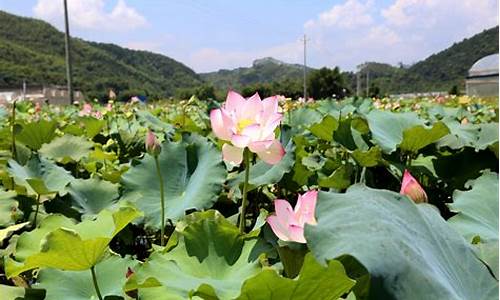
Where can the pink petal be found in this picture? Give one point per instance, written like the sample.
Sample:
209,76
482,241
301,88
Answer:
232,154
411,188
296,233
234,101
260,146
305,208
277,227
269,107
218,125
271,124
252,108
270,104
273,154
284,211
252,131
240,141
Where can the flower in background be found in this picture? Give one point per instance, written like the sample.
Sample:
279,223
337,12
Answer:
152,145
248,123
86,110
288,224
411,188
38,107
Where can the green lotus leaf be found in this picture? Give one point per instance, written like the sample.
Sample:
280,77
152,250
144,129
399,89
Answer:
90,196
211,260
35,134
67,148
477,215
339,179
40,174
324,130
8,208
92,125
6,232
418,137
404,246
61,244
21,293
488,137
313,282
388,128
192,173
461,135
302,118
78,285
369,158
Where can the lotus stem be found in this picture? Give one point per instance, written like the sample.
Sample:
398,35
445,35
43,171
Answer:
246,157
96,286
36,210
13,124
162,201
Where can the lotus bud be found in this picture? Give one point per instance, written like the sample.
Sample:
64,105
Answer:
411,188
152,145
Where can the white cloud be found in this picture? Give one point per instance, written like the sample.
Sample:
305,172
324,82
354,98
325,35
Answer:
348,15
91,14
406,31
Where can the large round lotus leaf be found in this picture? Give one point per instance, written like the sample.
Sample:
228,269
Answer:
211,260
418,137
48,176
67,148
461,135
78,285
35,134
409,249
68,247
477,216
90,196
193,175
387,127
302,118
313,282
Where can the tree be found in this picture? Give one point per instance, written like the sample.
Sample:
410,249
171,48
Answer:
327,83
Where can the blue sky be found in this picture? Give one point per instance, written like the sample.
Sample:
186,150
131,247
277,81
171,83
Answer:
210,35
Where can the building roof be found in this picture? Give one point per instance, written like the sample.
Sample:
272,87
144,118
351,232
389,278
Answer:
485,66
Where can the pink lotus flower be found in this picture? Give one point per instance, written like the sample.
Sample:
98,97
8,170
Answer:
411,188
288,224
152,145
86,110
248,123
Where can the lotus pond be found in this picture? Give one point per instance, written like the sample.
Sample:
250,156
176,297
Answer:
250,199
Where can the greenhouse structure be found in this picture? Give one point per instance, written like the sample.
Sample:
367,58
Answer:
482,79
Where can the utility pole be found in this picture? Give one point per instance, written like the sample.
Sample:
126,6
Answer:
305,68
69,78
367,83
358,82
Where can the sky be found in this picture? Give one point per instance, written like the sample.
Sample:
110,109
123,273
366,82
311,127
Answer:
208,35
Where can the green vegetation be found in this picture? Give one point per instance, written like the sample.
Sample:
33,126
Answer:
438,72
33,50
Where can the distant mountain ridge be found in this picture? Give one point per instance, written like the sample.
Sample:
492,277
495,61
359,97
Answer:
263,70
438,72
33,50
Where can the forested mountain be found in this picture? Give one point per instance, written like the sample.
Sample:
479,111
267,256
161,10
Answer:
263,71
33,50
438,72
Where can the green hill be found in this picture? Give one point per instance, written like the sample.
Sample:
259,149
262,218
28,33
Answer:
33,50
438,72
265,70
